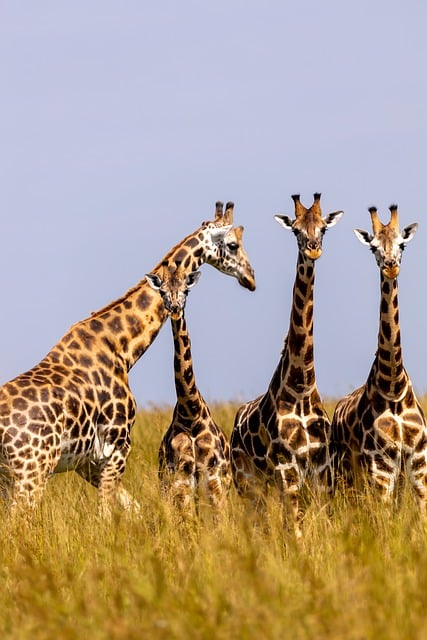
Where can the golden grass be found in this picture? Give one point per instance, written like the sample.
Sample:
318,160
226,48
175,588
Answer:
360,571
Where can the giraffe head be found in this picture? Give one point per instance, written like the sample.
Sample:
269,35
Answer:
387,242
309,226
219,244
173,284
230,256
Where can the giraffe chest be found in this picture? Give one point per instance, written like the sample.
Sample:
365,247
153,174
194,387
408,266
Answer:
93,445
299,436
93,430
389,430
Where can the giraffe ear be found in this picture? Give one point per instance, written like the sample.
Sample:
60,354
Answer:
218,233
408,232
285,221
363,236
332,218
154,281
192,279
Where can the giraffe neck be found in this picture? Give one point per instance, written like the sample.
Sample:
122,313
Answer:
188,397
296,368
388,375
123,330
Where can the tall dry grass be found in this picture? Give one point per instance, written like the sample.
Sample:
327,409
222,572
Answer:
359,573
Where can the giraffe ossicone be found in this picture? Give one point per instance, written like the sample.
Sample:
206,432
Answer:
74,410
194,455
379,430
283,437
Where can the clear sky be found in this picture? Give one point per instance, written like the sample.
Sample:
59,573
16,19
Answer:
123,122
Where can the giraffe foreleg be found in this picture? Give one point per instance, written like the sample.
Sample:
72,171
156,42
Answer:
417,473
214,483
106,476
321,472
177,469
212,467
178,484
110,489
289,482
247,478
24,478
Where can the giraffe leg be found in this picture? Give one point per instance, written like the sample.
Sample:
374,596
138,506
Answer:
109,487
213,484
384,474
23,481
177,469
179,484
213,469
106,477
417,472
181,489
288,481
247,478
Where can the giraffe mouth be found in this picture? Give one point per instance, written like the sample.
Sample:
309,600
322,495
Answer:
248,282
313,254
391,272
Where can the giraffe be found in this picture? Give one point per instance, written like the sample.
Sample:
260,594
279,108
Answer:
74,410
194,455
380,427
282,437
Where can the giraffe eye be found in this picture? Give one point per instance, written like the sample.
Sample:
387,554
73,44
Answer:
232,246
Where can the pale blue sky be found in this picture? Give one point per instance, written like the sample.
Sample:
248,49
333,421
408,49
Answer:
123,122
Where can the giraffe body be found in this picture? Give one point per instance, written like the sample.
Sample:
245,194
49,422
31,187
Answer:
379,430
74,409
283,436
194,455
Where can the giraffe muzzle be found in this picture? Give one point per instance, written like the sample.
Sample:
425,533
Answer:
314,253
391,272
247,280
175,312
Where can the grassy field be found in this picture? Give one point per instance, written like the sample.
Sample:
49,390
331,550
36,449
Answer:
359,573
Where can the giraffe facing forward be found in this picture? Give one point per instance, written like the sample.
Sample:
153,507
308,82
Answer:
283,436
74,410
194,456
381,427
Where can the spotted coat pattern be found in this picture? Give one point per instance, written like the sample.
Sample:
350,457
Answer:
194,456
379,430
283,436
74,409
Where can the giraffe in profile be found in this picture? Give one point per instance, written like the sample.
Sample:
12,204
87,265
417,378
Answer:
380,427
282,437
194,456
74,410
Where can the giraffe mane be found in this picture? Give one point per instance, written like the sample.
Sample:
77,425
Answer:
162,263
117,301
